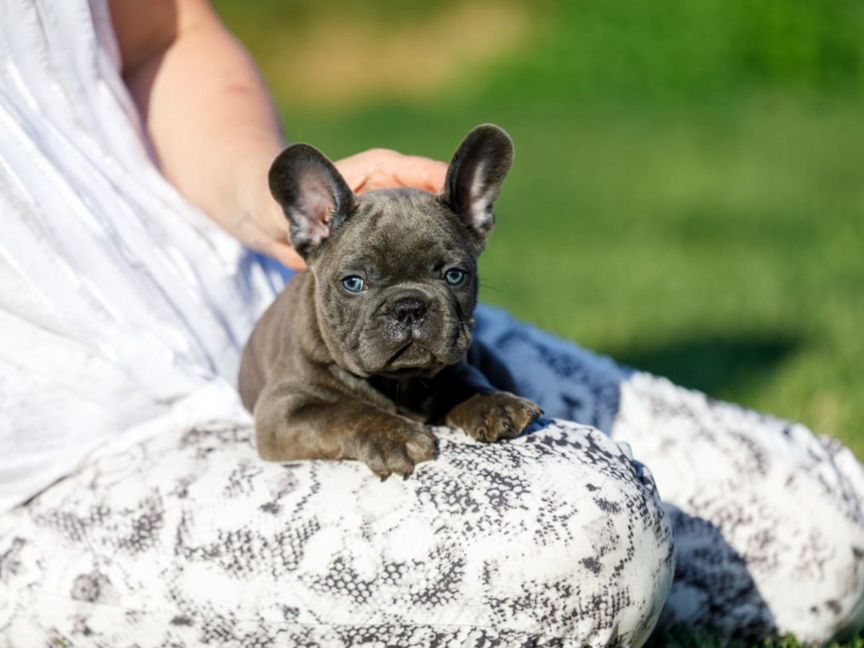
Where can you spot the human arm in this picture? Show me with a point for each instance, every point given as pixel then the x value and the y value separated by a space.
pixel 213 126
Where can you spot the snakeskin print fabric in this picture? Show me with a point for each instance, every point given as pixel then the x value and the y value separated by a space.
pixel 768 521
pixel 555 539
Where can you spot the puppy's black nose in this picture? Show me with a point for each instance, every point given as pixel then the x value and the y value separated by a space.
pixel 409 311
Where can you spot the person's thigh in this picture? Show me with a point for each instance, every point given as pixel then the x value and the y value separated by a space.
pixel 556 538
pixel 769 528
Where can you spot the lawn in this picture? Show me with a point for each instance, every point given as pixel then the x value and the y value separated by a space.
pixel 688 195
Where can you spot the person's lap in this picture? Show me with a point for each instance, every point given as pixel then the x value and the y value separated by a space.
pixel 556 538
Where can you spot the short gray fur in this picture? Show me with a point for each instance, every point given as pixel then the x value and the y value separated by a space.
pixel 331 374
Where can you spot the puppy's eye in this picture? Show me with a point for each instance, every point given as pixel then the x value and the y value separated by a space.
pixel 354 284
pixel 454 276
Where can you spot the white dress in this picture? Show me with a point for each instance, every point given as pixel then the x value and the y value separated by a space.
pixel 122 308
pixel 135 512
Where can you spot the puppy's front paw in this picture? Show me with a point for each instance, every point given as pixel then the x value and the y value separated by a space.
pixel 492 417
pixel 396 447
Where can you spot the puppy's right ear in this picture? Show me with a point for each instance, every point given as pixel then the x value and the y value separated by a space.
pixel 314 196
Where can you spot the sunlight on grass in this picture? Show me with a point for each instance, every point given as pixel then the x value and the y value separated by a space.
pixel 338 57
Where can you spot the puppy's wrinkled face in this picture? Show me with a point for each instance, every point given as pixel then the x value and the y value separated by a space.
pixel 395 270
pixel 397 285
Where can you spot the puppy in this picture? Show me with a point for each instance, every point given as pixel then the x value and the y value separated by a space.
pixel 374 340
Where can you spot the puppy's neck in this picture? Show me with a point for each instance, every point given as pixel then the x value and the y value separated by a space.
pixel 412 396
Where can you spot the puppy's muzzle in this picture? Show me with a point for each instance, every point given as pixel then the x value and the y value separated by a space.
pixel 409 312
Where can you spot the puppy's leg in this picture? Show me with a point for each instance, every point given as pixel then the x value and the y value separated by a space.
pixel 292 424
pixel 486 414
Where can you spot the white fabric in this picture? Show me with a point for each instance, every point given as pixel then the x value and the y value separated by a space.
pixel 122 309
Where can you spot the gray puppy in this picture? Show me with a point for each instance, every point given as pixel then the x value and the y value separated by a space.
pixel 374 340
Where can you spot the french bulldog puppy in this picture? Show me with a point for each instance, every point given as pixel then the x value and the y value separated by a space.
pixel 374 340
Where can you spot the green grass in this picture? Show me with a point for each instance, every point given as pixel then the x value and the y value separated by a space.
pixel 689 201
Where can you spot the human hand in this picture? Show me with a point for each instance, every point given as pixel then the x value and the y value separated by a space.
pixel 366 171
pixel 386 169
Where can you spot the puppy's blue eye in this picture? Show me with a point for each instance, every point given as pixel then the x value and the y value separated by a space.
pixel 353 284
pixel 454 276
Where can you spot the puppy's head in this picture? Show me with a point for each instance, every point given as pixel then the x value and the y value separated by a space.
pixel 395 270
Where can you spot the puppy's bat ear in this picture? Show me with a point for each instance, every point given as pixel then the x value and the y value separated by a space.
pixel 314 196
pixel 475 176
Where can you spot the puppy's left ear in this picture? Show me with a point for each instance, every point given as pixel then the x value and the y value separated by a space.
pixel 475 176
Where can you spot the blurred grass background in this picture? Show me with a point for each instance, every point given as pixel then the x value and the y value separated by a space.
pixel 688 194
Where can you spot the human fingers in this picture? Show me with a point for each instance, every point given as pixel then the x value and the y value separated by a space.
pixel 420 173
pixel 386 169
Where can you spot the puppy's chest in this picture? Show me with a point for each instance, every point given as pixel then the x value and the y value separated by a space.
pixel 414 399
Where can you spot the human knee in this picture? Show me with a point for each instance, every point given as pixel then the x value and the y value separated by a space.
pixel 588 558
